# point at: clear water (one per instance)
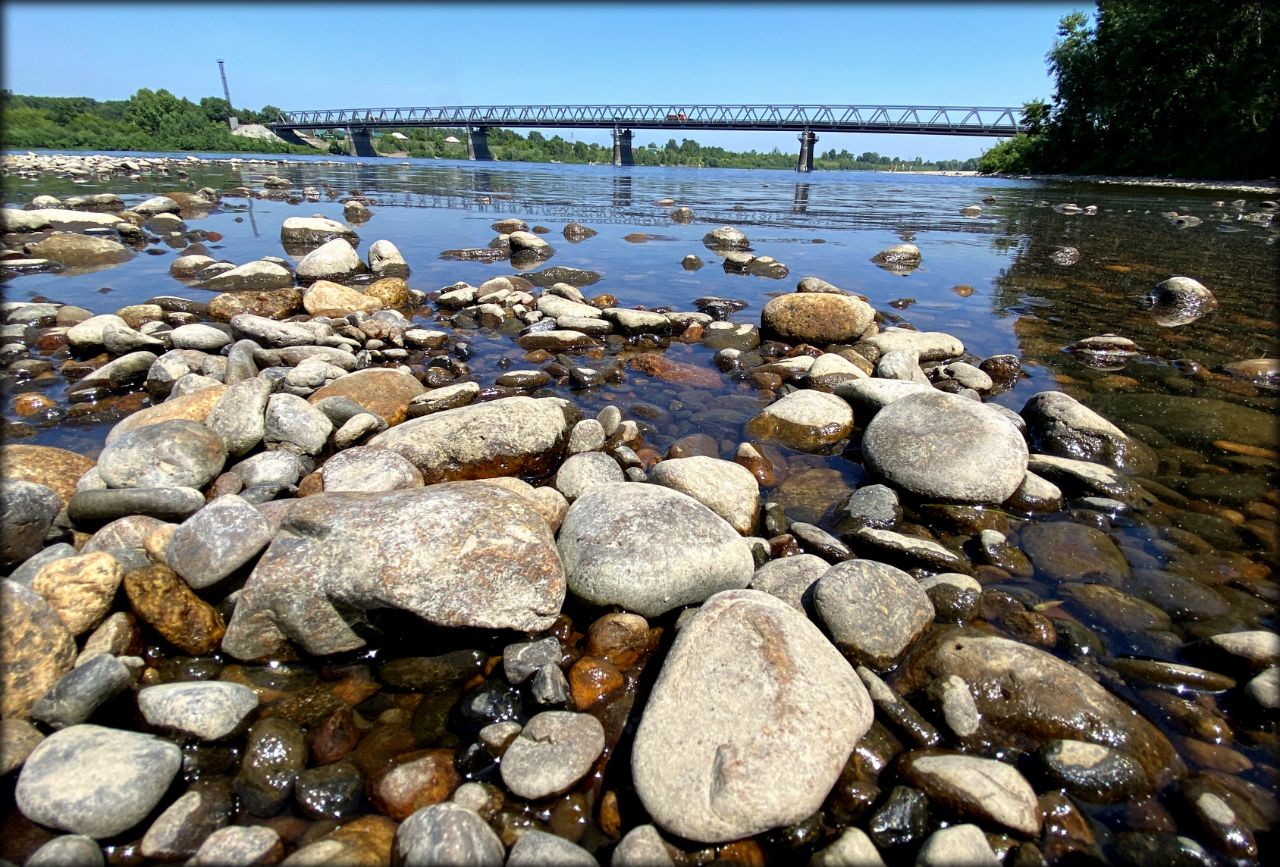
(988, 280)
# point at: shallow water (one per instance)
(989, 280)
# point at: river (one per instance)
(1023, 276)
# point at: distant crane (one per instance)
(226, 91)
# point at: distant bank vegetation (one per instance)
(159, 121)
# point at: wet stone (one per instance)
(521, 661)
(553, 751)
(970, 786)
(414, 780)
(1093, 772)
(901, 821)
(1064, 551)
(274, 754)
(178, 832)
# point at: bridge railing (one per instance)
(970, 120)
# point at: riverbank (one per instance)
(1268, 186)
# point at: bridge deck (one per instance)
(932, 119)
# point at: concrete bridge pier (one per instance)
(622, 155)
(478, 143)
(804, 163)
(361, 142)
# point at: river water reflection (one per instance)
(1000, 281)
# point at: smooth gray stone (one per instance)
(120, 339)
(447, 835)
(649, 549)
(731, 742)
(205, 338)
(269, 332)
(988, 790)
(167, 454)
(207, 710)
(520, 661)
(874, 506)
(641, 847)
(272, 468)
(941, 445)
(455, 554)
(340, 409)
(818, 541)
(294, 425)
(27, 511)
(909, 552)
(957, 846)
(96, 781)
(853, 848)
(540, 849)
(554, 751)
(26, 572)
(217, 540)
(69, 850)
(584, 471)
(166, 504)
(237, 846)
(178, 832)
(239, 415)
(370, 469)
(726, 488)
(357, 428)
(791, 579)
(240, 363)
(872, 610)
(81, 691)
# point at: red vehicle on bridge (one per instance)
(682, 117)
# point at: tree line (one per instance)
(159, 121)
(147, 121)
(1187, 88)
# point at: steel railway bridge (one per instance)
(360, 124)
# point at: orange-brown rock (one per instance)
(192, 407)
(390, 291)
(592, 680)
(169, 606)
(29, 404)
(271, 303)
(679, 372)
(35, 649)
(54, 468)
(620, 638)
(80, 588)
(362, 842)
(381, 391)
(412, 781)
(334, 737)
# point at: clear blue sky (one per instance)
(348, 55)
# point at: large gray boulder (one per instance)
(95, 781)
(453, 554)
(752, 718)
(178, 453)
(649, 549)
(940, 445)
(512, 436)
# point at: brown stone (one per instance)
(362, 842)
(592, 680)
(137, 315)
(381, 391)
(35, 649)
(334, 737)
(679, 372)
(412, 781)
(620, 638)
(380, 745)
(54, 468)
(271, 303)
(191, 407)
(390, 291)
(80, 588)
(169, 606)
(816, 317)
(29, 404)
(694, 444)
(326, 298)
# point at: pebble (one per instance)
(539, 849)
(95, 781)
(971, 786)
(649, 549)
(447, 834)
(186, 823)
(726, 488)
(585, 471)
(69, 850)
(209, 711)
(553, 752)
(81, 691)
(239, 846)
(872, 610)
(216, 541)
(957, 845)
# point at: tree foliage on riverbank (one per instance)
(147, 121)
(1188, 88)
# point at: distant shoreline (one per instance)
(1239, 186)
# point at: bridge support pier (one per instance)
(622, 155)
(478, 143)
(360, 142)
(804, 163)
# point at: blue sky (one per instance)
(348, 55)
